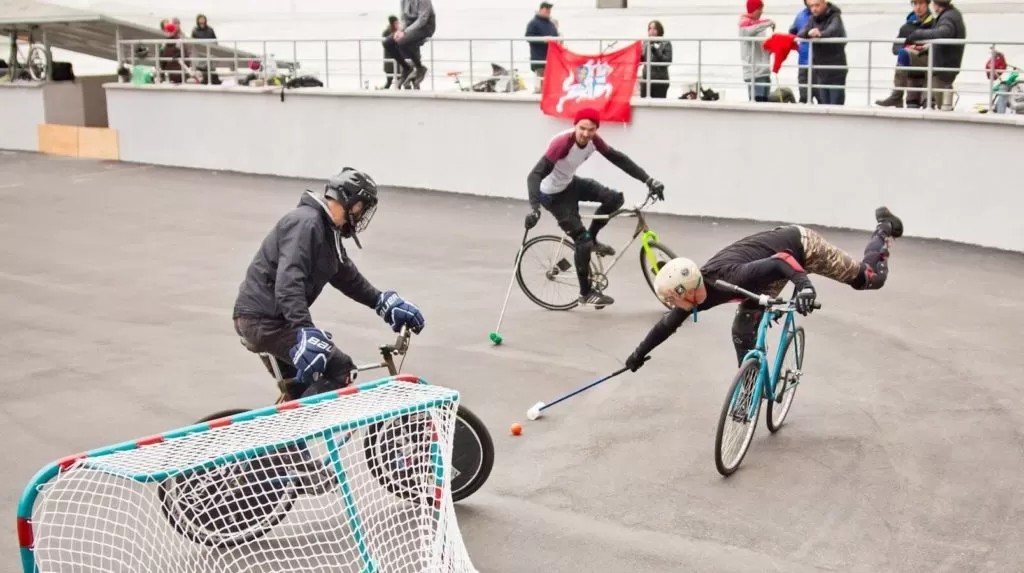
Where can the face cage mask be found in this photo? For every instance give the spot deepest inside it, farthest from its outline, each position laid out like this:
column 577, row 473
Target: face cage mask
column 353, row 225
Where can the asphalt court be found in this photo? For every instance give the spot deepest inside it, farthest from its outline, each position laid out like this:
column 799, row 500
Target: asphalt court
column 903, row 452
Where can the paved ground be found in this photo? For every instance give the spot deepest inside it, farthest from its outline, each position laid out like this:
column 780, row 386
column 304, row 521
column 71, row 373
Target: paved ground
column 903, row 452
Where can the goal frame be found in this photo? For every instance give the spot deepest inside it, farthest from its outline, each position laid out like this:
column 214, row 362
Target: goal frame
column 26, row 533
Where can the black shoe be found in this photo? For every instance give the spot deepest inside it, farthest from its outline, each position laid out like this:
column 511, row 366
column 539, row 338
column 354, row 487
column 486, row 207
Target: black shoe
column 603, row 250
column 597, row 299
column 885, row 217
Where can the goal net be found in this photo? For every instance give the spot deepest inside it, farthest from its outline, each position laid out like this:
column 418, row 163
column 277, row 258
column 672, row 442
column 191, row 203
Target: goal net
column 348, row 481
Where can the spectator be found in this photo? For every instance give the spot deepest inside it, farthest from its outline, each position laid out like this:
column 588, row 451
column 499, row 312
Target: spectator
column 757, row 67
column 802, row 17
column 540, row 25
column 389, row 65
column 171, row 55
column 202, row 60
column 418, row 25
column 827, row 22
column 203, row 31
column 661, row 57
column 948, row 24
column 908, row 54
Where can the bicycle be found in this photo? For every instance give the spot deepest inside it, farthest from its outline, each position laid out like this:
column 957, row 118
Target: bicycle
column 561, row 262
column 287, row 472
column 753, row 380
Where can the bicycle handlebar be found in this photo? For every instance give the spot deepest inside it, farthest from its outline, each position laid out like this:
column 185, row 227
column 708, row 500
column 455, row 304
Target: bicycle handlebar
column 399, row 348
column 761, row 299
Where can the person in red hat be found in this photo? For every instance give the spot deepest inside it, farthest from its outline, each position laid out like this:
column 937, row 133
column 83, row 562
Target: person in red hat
column 553, row 183
column 756, row 64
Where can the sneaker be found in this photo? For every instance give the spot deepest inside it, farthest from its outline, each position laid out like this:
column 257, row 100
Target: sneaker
column 416, row 78
column 403, row 78
column 603, row 250
column 599, row 300
column 885, row 217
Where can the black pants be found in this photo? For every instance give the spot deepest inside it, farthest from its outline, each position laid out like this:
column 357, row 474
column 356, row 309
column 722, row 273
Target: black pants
column 819, row 257
column 565, row 207
column 658, row 91
column 275, row 337
column 408, row 48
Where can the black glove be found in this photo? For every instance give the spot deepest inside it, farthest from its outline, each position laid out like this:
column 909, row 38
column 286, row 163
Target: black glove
column 634, row 362
column 656, row 188
column 804, row 294
column 532, row 218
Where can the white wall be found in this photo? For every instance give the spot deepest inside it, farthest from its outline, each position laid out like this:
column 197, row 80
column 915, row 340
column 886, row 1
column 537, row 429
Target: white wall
column 21, row 112
column 946, row 174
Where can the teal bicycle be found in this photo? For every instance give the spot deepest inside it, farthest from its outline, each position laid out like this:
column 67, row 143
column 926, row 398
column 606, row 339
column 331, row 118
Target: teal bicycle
column 554, row 255
column 754, row 381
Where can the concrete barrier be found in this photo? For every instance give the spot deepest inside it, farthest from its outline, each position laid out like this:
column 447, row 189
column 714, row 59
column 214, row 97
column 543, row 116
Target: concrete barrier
column 948, row 174
column 22, row 109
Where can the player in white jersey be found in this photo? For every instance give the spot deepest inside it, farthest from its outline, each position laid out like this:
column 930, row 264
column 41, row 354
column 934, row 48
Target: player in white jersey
column 553, row 183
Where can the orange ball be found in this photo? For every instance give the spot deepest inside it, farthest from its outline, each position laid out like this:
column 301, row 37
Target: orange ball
column 517, row 429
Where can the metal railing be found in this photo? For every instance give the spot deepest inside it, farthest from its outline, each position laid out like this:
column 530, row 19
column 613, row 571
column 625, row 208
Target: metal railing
column 705, row 63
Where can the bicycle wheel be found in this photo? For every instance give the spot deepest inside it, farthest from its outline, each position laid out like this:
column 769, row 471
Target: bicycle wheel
column 662, row 255
column 398, row 457
column 549, row 260
column 739, row 408
column 252, row 497
column 787, row 381
column 472, row 454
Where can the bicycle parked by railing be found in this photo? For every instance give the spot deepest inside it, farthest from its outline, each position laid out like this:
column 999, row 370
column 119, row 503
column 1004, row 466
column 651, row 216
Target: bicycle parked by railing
column 558, row 269
column 757, row 379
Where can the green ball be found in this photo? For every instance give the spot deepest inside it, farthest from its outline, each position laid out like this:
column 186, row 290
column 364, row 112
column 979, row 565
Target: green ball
column 495, row 338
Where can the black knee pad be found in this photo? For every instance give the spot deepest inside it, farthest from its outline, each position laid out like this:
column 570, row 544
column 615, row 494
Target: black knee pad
column 618, row 199
column 871, row 278
column 744, row 330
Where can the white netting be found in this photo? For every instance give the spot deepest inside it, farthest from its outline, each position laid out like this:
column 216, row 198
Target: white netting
column 286, row 508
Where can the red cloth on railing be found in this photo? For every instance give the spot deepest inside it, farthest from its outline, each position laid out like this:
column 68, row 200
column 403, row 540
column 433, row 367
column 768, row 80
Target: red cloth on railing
column 780, row 45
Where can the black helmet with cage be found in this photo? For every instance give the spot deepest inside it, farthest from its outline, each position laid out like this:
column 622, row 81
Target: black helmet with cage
column 351, row 187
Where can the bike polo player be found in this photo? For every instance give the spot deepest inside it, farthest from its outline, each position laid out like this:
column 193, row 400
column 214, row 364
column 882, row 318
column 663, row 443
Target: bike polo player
column 302, row 254
column 553, row 183
column 763, row 263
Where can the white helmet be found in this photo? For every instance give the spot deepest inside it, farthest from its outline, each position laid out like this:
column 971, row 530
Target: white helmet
column 676, row 278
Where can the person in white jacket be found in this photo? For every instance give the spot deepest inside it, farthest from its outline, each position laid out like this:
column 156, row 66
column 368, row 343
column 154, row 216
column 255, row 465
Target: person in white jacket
column 756, row 60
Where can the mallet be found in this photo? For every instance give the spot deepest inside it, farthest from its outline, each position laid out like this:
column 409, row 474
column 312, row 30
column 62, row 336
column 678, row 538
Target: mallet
column 495, row 337
column 534, row 412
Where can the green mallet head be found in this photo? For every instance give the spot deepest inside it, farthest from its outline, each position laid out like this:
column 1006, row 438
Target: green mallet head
column 495, row 338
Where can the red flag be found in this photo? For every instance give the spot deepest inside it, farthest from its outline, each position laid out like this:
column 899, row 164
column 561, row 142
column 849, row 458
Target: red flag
column 780, row 45
column 604, row 82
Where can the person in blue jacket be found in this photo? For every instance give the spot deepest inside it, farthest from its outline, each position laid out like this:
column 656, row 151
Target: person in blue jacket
column 540, row 26
column 798, row 24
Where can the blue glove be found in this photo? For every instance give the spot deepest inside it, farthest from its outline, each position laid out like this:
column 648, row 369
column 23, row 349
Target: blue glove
column 399, row 313
column 310, row 354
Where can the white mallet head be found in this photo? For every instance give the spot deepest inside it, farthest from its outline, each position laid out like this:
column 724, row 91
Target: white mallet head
column 534, row 412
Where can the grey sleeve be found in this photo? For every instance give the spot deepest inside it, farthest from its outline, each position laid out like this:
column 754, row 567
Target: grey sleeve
column 424, row 8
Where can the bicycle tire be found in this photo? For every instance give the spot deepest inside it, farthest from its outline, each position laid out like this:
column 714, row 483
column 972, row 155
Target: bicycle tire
column 405, row 486
column 655, row 246
column 201, row 532
column 787, row 393
column 725, row 415
column 575, row 280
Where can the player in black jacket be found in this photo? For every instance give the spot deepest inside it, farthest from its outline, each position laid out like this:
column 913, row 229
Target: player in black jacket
column 763, row 263
column 300, row 256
